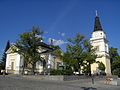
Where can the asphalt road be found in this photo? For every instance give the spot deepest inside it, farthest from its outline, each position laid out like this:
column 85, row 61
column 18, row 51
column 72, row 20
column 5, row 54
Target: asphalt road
column 18, row 83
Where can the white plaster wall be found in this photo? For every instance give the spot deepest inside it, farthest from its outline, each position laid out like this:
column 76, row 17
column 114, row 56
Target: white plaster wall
column 51, row 61
column 39, row 66
column 17, row 66
column 7, row 63
column 98, row 35
column 98, row 39
column 13, row 57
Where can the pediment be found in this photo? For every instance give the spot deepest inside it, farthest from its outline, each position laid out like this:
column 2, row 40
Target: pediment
column 11, row 49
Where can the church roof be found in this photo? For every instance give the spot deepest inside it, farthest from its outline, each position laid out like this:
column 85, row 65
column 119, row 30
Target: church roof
column 97, row 25
column 42, row 44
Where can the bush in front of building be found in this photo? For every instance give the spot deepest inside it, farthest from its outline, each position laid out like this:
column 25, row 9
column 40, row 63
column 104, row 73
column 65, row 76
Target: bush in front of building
column 55, row 72
column 61, row 72
column 116, row 72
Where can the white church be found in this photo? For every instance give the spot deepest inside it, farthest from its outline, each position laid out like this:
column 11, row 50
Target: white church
column 15, row 61
column 98, row 40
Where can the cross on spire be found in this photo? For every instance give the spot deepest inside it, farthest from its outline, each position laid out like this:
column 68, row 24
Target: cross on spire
column 97, row 24
column 96, row 13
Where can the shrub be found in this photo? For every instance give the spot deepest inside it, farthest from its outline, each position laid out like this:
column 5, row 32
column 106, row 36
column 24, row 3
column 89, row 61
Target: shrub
column 101, row 66
column 56, row 72
column 61, row 72
column 116, row 72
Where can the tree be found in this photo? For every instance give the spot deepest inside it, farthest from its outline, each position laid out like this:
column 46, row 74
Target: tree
column 78, row 53
column 70, row 63
column 113, row 54
column 101, row 66
column 114, row 57
column 3, row 60
column 57, row 51
column 89, row 57
column 28, row 46
column 115, row 61
column 116, row 66
column 74, row 49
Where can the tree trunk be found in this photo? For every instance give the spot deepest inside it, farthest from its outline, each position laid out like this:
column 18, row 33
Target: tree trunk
column 33, row 69
column 44, row 67
column 79, row 68
column 89, row 65
column 23, row 68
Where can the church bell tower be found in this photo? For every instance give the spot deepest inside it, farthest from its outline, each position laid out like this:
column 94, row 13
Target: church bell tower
column 100, row 43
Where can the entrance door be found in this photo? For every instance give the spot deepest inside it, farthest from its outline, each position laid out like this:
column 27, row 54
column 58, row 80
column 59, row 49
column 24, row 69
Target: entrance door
column 12, row 65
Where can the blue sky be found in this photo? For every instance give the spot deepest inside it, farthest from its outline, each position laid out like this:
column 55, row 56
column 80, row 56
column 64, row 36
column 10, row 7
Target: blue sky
column 59, row 19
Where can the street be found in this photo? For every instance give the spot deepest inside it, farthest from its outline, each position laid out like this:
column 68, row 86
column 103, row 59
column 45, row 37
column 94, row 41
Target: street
column 18, row 83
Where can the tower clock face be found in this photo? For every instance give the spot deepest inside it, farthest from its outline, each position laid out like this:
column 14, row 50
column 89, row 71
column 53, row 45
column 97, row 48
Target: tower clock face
column 98, row 34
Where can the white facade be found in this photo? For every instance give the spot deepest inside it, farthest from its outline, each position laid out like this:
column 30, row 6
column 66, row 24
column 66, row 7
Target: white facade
column 100, row 43
column 14, row 62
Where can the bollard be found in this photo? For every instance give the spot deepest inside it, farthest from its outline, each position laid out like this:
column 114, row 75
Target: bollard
column 3, row 73
column 92, row 79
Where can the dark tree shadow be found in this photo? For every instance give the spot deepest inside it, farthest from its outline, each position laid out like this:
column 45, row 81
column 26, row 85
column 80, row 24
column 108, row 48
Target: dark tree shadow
column 88, row 88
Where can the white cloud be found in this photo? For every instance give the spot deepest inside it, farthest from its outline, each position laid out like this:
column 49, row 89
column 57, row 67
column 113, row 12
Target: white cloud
column 58, row 32
column 46, row 32
column 61, row 33
column 57, row 42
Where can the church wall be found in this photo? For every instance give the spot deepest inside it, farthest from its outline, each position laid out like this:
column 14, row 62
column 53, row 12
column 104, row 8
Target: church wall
column 105, row 61
column 108, row 70
column 12, row 63
column 39, row 66
column 94, row 68
column 17, row 65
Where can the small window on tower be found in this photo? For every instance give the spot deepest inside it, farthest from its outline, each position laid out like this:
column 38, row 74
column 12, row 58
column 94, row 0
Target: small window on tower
column 106, row 48
column 97, row 48
column 101, row 33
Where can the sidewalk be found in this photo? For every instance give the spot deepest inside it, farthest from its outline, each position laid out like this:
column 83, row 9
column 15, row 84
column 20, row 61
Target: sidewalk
column 98, row 85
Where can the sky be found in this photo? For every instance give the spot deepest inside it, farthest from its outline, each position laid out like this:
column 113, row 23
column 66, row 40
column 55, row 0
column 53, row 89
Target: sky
column 59, row 19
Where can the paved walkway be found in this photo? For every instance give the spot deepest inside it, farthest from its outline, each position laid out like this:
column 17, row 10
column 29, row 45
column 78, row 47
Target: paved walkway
column 19, row 83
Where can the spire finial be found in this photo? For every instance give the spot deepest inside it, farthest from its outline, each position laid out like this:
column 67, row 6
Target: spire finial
column 97, row 25
column 96, row 12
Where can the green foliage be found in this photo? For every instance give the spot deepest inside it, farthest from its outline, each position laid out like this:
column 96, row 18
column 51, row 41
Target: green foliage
column 56, row 72
column 28, row 45
column 70, row 62
column 113, row 54
column 116, row 72
column 61, row 72
column 116, row 66
column 75, row 49
column 78, row 53
column 115, row 61
column 89, row 57
column 3, row 59
column 101, row 66
column 57, row 51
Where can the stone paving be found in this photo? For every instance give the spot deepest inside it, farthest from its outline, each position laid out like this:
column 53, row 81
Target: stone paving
column 19, row 83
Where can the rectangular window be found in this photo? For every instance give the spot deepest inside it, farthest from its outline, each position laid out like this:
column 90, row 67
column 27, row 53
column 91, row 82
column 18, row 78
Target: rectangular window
column 97, row 48
column 12, row 65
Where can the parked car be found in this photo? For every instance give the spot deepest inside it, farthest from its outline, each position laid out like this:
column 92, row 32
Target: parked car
column 2, row 72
